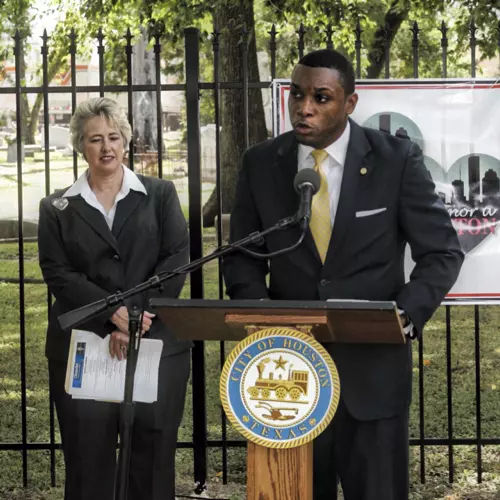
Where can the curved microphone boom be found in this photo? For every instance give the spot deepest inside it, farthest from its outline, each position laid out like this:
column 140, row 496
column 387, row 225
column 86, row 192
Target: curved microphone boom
column 307, row 183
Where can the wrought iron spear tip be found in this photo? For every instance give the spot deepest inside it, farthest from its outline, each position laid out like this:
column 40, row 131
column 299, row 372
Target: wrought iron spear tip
column 216, row 31
column 358, row 30
column 100, row 36
column 45, row 39
column 301, row 31
column 216, row 38
column 273, row 32
column 244, row 37
column 329, row 33
column 472, row 28
column 443, row 28
column 158, row 30
column 386, row 33
column 72, row 37
column 415, row 30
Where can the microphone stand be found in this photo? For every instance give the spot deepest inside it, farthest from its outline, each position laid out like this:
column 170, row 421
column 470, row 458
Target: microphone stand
column 127, row 407
column 76, row 317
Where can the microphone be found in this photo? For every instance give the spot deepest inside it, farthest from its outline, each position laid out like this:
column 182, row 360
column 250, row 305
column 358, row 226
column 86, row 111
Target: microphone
column 307, row 183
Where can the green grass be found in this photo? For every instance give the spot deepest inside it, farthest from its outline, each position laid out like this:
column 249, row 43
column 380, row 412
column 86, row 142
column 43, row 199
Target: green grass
column 435, row 406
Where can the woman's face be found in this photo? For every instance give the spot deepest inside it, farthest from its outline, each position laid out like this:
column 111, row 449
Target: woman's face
column 102, row 145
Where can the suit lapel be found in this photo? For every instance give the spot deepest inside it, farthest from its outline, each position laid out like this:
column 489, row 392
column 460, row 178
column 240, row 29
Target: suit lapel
column 94, row 219
column 284, row 170
column 357, row 150
column 124, row 209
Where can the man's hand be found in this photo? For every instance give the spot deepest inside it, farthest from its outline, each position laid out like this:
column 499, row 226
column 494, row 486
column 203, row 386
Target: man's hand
column 120, row 319
column 118, row 344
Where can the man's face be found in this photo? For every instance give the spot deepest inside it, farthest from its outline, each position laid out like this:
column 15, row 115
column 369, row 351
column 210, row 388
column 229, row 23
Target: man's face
column 318, row 106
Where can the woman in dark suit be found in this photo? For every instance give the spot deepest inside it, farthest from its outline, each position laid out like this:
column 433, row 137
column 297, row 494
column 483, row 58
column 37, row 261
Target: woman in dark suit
column 108, row 232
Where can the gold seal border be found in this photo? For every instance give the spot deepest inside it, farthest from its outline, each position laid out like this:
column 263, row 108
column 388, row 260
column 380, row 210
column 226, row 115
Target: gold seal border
column 280, row 332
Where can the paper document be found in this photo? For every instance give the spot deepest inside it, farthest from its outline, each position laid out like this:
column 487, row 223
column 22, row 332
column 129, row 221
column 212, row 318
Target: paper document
column 93, row 374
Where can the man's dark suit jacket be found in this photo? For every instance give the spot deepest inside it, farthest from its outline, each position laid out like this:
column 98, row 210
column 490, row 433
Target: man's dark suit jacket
column 83, row 261
column 365, row 258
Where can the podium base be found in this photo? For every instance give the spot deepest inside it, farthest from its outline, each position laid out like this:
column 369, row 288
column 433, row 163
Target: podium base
column 279, row 474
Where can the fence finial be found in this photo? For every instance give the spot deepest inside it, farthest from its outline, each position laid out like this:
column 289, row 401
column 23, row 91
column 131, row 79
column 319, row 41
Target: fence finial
column 215, row 38
column 357, row 46
column 444, row 31
column 244, row 35
column 416, row 31
column 272, row 50
column 72, row 41
column 17, row 41
column 301, row 32
column 358, row 31
column 472, row 30
column 273, row 33
column 329, row 33
column 128, row 37
column 100, row 37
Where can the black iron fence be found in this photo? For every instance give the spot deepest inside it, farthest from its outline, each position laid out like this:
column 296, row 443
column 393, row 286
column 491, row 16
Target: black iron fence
column 192, row 86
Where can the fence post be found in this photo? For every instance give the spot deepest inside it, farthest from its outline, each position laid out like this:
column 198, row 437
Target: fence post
column 192, row 58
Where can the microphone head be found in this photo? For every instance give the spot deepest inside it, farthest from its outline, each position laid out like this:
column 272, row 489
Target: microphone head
column 307, row 176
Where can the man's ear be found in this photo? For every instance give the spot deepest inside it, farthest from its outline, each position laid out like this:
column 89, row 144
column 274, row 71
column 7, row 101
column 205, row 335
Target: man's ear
column 350, row 103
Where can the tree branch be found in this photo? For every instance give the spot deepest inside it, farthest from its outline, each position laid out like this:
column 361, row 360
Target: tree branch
column 397, row 13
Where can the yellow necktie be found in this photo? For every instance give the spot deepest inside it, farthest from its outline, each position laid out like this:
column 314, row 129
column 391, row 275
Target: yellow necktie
column 320, row 224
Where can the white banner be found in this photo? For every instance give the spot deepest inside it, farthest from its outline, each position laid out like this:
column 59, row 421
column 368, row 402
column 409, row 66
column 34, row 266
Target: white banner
column 457, row 125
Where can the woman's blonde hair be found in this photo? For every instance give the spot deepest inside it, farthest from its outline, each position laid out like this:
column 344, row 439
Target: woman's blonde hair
column 98, row 106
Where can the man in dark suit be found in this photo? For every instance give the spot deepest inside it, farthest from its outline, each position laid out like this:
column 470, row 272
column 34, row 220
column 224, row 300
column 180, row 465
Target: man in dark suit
column 375, row 197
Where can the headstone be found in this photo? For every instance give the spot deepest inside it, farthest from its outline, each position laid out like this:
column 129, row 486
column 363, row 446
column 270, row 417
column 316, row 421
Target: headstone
column 12, row 152
column 58, row 137
column 9, row 229
column 208, row 153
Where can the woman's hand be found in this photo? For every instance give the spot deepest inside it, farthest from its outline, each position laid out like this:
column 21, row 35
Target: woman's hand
column 120, row 319
column 118, row 344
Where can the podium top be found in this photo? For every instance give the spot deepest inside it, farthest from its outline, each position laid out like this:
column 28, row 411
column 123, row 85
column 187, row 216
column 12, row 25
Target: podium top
column 351, row 321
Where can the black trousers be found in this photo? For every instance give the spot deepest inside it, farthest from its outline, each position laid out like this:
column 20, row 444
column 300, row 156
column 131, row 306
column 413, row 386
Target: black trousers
column 89, row 432
column 369, row 457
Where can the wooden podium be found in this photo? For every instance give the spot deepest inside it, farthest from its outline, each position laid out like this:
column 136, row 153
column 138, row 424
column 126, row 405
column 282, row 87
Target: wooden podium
column 281, row 474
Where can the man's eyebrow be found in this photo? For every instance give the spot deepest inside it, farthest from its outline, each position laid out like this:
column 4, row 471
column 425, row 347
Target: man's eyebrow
column 322, row 89
column 316, row 89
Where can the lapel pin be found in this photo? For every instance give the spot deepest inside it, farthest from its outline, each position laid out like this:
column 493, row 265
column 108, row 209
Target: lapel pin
column 60, row 203
column 363, row 171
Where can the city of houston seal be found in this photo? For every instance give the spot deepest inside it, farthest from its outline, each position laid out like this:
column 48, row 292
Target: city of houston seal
column 279, row 388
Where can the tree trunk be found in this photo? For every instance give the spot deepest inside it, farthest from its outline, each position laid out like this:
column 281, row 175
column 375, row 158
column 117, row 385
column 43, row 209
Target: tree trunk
column 396, row 14
column 30, row 116
column 32, row 125
column 230, row 19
